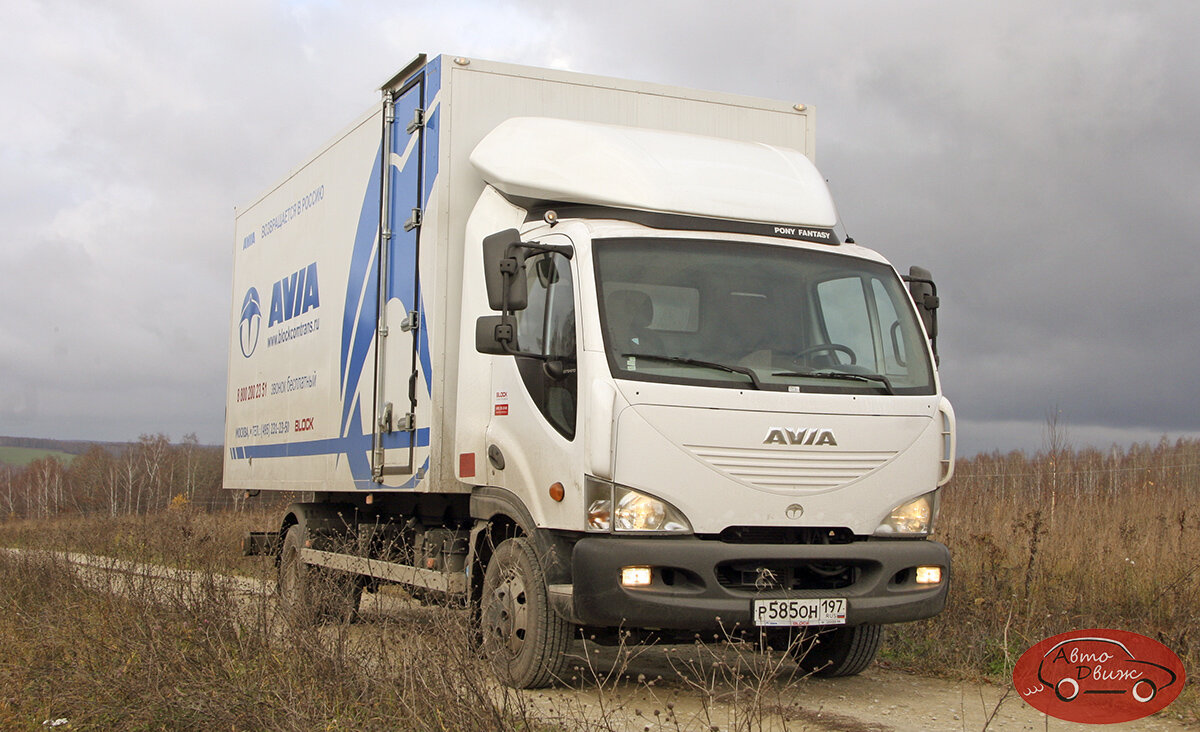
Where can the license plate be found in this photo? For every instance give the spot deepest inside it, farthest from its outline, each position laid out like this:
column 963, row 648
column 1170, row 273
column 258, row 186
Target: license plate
column 789, row 612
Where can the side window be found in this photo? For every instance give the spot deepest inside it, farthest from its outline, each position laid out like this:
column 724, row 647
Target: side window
column 846, row 319
column 547, row 327
column 895, row 357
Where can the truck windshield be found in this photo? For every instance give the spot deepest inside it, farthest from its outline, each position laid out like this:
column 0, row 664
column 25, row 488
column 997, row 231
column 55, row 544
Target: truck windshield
column 757, row 316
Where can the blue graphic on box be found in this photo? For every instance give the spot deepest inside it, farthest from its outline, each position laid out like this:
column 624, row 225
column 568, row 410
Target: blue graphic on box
column 412, row 185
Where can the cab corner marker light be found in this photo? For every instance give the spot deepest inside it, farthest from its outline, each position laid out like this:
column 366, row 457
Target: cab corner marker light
column 929, row 575
column 635, row 576
column 557, row 492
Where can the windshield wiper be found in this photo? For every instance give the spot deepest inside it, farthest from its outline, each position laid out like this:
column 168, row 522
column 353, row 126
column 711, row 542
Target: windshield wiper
column 697, row 362
column 887, row 384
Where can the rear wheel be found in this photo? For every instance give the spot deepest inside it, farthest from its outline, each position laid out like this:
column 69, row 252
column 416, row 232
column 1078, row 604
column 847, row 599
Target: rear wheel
column 839, row 651
column 308, row 593
column 525, row 640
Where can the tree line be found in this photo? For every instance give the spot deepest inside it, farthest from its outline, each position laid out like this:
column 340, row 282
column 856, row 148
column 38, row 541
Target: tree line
column 149, row 475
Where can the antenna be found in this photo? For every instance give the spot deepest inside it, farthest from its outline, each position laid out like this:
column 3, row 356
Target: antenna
column 846, row 238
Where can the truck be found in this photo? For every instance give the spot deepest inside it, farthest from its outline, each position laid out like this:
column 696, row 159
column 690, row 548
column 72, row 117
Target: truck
column 586, row 355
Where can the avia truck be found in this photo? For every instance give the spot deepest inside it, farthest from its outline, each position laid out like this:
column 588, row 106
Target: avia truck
column 584, row 353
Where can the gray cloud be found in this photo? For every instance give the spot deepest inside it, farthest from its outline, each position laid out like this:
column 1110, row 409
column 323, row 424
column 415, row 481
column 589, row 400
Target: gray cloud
column 1039, row 157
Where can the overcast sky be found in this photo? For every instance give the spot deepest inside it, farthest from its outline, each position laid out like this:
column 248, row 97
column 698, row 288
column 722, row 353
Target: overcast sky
column 1042, row 158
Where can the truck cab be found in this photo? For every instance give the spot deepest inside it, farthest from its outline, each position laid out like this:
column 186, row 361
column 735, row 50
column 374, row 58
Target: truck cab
column 719, row 422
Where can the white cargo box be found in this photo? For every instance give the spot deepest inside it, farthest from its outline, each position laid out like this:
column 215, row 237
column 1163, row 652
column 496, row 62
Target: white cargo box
column 347, row 292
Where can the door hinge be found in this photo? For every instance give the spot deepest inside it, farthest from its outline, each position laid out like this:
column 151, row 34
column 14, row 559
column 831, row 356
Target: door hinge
column 412, row 322
column 418, row 121
column 413, row 221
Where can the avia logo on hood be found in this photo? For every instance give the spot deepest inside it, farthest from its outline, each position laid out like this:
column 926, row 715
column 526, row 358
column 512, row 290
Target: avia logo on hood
column 294, row 295
column 815, row 437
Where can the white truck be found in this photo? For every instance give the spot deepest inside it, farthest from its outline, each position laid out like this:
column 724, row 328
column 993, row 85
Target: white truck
column 587, row 353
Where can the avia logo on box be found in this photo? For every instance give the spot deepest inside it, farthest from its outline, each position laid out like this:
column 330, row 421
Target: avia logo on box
column 292, row 296
column 251, row 322
column 1099, row 676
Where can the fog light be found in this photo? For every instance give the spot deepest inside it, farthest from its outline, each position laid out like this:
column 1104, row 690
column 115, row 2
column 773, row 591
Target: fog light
column 929, row 575
column 635, row 576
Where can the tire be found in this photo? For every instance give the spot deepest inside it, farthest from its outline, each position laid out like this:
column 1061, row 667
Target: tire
column 839, row 651
column 308, row 594
column 1142, row 696
column 523, row 638
column 293, row 575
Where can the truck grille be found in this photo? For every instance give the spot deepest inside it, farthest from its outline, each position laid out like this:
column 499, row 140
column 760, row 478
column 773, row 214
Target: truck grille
column 790, row 470
column 783, row 575
column 785, row 535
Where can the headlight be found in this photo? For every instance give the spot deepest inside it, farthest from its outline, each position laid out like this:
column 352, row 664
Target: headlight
column 617, row 508
column 914, row 518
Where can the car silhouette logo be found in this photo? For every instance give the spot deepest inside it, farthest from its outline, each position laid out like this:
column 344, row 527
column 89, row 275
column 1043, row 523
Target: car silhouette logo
column 1101, row 666
column 1099, row 676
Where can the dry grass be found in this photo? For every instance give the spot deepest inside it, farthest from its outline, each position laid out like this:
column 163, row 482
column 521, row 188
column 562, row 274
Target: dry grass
column 1044, row 544
column 111, row 650
column 1060, row 541
column 140, row 653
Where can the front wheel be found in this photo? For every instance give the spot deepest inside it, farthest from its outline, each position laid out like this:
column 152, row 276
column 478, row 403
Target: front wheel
column 525, row 640
column 839, row 651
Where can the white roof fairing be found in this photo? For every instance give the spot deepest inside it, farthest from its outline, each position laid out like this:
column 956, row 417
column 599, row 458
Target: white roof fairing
column 653, row 170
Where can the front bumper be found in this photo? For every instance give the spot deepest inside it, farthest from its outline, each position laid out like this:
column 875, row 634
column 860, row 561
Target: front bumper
column 701, row 585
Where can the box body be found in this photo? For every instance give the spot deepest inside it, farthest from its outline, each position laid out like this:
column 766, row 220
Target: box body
column 347, row 313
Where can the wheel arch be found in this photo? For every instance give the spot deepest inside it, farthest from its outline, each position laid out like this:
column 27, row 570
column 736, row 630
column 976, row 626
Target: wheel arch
column 500, row 514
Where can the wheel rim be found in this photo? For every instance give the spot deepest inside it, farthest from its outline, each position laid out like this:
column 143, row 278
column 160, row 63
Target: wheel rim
column 508, row 614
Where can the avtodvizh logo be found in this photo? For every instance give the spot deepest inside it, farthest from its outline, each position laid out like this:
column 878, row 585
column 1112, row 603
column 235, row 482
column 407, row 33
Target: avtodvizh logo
column 1099, row 676
column 251, row 322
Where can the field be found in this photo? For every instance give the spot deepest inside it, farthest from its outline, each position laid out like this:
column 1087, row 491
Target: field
column 1062, row 541
column 22, row 456
column 1058, row 541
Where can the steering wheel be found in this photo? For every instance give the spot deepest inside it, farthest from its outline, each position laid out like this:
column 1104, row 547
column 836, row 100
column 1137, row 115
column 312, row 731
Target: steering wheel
column 803, row 353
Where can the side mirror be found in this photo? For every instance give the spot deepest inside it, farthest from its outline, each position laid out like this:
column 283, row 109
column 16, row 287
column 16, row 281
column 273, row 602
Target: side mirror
column 504, row 271
column 504, row 256
column 496, row 335
column 925, row 297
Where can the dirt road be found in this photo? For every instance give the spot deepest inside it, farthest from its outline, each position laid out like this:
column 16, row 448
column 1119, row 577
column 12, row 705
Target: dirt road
column 694, row 687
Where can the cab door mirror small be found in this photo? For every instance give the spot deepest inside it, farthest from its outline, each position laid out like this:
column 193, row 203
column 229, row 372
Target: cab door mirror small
column 496, row 335
column 504, row 271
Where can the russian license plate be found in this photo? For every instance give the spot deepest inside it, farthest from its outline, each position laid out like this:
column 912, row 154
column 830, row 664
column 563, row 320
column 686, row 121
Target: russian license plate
column 783, row 611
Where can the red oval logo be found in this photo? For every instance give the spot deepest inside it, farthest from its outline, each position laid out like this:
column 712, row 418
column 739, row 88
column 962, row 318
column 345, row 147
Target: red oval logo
column 1099, row 676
